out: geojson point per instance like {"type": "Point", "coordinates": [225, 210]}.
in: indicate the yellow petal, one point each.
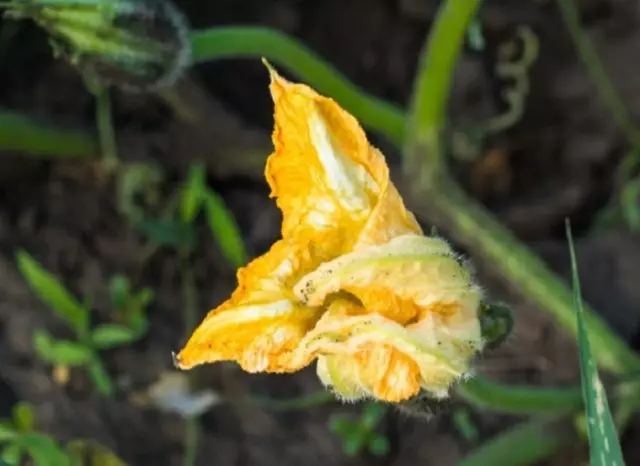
{"type": "Point", "coordinates": [262, 323]}
{"type": "Point", "coordinates": [415, 298]}
{"type": "Point", "coordinates": [259, 337]}
{"type": "Point", "coordinates": [407, 279]}
{"type": "Point", "coordinates": [370, 356]}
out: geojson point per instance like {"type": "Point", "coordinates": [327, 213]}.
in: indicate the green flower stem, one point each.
{"type": "Point", "coordinates": [23, 134]}
{"type": "Point", "coordinates": [190, 297]}
{"type": "Point", "coordinates": [605, 86]}
{"type": "Point", "coordinates": [448, 206]}
{"type": "Point", "coordinates": [256, 42]}
{"type": "Point", "coordinates": [520, 399]}
{"type": "Point", "coordinates": [525, 444]}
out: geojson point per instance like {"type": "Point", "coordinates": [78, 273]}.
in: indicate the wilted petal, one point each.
{"type": "Point", "coordinates": [418, 305]}
{"type": "Point", "coordinates": [261, 324]}
{"type": "Point", "coordinates": [408, 279]}
{"type": "Point", "coordinates": [323, 170]}
{"type": "Point", "coordinates": [364, 355]}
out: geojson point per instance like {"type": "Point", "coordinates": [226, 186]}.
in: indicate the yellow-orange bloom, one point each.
{"type": "Point", "coordinates": [353, 282]}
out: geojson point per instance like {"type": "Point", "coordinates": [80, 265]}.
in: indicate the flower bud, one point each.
{"type": "Point", "coordinates": [136, 45]}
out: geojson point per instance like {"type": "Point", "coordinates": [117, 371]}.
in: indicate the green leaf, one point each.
{"type": "Point", "coordinates": [372, 414]}
{"type": "Point", "coordinates": [24, 419]}
{"type": "Point", "coordinates": [167, 232]}
{"type": "Point", "coordinates": [100, 378]}
{"type": "Point", "coordinates": [7, 432]}
{"type": "Point", "coordinates": [603, 438]}
{"type": "Point", "coordinates": [119, 291]}
{"type": "Point", "coordinates": [631, 210]}
{"type": "Point", "coordinates": [53, 293]}
{"type": "Point", "coordinates": [63, 352]}
{"type": "Point", "coordinates": [193, 193]}
{"type": "Point", "coordinates": [379, 445]}
{"type": "Point", "coordinates": [11, 454]}
{"type": "Point", "coordinates": [341, 425]}
{"type": "Point", "coordinates": [225, 230]}
{"type": "Point", "coordinates": [354, 443]}
{"type": "Point", "coordinates": [464, 424]}
{"type": "Point", "coordinates": [108, 336]}
{"type": "Point", "coordinates": [44, 450]}
{"type": "Point", "coordinates": [142, 299]}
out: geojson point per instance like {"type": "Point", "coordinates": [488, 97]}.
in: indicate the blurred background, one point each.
{"type": "Point", "coordinates": [555, 151]}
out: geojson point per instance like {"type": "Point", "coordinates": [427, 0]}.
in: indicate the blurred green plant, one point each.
{"type": "Point", "coordinates": [175, 227]}
{"type": "Point", "coordinates": [197, 196]}
{"type": "Point", "coordinates": [130, 308]}
{"type": "Point", "coordinates": [361, 434]}
{"type": "Point", "coordinates": [84, 350]}
{"type": "Point", "coordinates": [19, 439]}
{"type": "Point", "coordinates": [464, 424]}
{"type": "Point", "coordinates": [88, 452]}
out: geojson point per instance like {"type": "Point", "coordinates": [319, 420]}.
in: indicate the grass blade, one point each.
{"type": "Point", "coordinates": [603, 437]}
{"type": "Point", "coordinates": [53, 293]}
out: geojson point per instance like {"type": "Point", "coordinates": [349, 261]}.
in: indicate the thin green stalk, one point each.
{"type": "Point", "coordinates": [432, 88]}
{"type": "Point", "coordinates": [255, 42]}
{"type": "Point", "coordinates": [23, 134]}
{"type": "Point", "coordinates": [106, 132]}
{"type": "Point", "coordinates": [605, 86]}
{"type": "Point", "coordinates": [190, 297]}
{"type": "Point", "coordinates": [447, 205]}
{"type": "Point", "coordinates": [192, 435]}
{"type": "Point", "coordinates": [523, 445]}
{"type": "Point", "coordinates": [519, 399]}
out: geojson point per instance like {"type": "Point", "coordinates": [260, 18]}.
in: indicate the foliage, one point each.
{"type": "Point", "coordinates": [84, 350]}
{"type": "Point", "coordinates": [603, 436]}
{"type": "Point", "coordinates": [19, 438]}
{"type": "Point", "coordinates": [361, 434]}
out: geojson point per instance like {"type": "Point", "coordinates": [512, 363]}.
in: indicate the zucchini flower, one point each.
{"type": "Point", "coordinates": [353, 283]}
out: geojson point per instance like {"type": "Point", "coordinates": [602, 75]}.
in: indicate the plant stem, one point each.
{"type": "Point", "coordinates": [255, 42]}
{"type": "Point", "coordinates": [520, 399]}
{"type": "Point", "coordinates": [192, 435]}
{"type": "Point", "coordinates": [432, 88]}
{"type": "Point", "coordinates": [522, 445]}
{"type": "Point", "coordinates": [190, 297]}
{"type": "Point", "coordinates": [444, 202]}
{"type": "Point", "coordinates": [605, 86]}
{"type": "Point", "coordinates": [106, 133]}
{"type": "Point", "coordinates": [21, 133]}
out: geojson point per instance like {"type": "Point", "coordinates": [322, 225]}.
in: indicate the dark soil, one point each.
{"type": "Point", "coordinates": [558, 160]}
